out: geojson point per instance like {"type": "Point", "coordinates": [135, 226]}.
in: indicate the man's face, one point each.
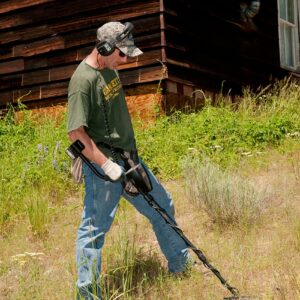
{"type": "Point", "coordinates": [115, 59]}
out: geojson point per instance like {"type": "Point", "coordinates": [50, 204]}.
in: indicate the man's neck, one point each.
{"type": "Point", "coordinates": [94, 60]}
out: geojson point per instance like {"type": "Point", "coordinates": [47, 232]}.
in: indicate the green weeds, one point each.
{"type": "Point", "coordinates": [226, 133]}
{"type": "Point", "coordinates": [33, 165]}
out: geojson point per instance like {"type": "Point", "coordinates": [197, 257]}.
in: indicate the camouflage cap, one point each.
{"type": "Point", "coordinates": [111, 31]}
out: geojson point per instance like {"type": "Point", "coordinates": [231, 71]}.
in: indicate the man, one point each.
{"type": "Point", "coordinates": [99, 118]}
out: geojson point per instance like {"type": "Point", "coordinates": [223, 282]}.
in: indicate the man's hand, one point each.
{"type": "Point", "coordinates": [112, 170]}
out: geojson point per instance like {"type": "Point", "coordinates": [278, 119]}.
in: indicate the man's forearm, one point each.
{"type": "Point", "coordinates": [91, 150]}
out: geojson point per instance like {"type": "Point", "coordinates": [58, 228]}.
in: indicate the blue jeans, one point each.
{"type": "Point", "coordinates": [100, 205]}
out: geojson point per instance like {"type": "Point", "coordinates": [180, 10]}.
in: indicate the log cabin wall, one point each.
{"type": "Point", "coordinates": [203, 44]}
{"type": "Point", "coordinates": [43, 41]}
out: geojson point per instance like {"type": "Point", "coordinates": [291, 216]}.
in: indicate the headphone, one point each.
{"type": "Point", "coordinates": [106, 48]}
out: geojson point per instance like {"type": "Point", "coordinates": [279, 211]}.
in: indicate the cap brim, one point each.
{"type": "Point", "coordinates": [131, 51]}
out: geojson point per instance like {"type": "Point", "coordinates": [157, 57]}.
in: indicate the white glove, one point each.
{"type": "Point", "coordinates": [112, 170]}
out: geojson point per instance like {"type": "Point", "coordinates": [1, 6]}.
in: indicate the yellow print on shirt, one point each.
{"type": "Point", "coordinates": [112, 89]}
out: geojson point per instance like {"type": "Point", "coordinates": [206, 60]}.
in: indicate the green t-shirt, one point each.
{"type": "Point", "coordinates": [87, 89]}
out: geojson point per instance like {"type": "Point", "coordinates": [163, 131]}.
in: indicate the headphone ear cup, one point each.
{"type": "Point", "coordinates": [105, 48]}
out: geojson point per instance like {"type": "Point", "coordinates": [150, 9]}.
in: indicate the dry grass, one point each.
{"type": "Point", "coordinates": [262, 260]}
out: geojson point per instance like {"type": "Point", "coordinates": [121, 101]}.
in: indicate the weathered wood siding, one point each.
{"type": "Point", "coordinates": [42, 42]}
{"type": "Point", "coordinates": [203, 44]}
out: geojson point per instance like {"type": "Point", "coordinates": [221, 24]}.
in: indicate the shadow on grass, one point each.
{"type": "Point", "coordinates": [136, 277]}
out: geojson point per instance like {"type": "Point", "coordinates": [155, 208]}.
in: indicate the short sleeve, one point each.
{"type": "Point", "coordinates": [78, 110]}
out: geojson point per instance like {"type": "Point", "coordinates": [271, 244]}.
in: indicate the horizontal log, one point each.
{"type": "Point", "coordinates": [34, 93]}
{"type": "Point", "coordinates": [35, 62]}
{"type": "Point", "coordinates": [148, 74]}
{"type": "Point", "coordinates": [60, 10]}
{"type": "Point", "coordinates": [54, 106]}
{"type": "Point", "coordinates": [61, 73]}
{"type": "Point", "coordinates": [147, 58]}
{"type": "Point", "coordinates": [46, 76]}
{"type": "Point", "coordinates": [54, 90]}
{"type": "Point", "coordinates": [149, 41]}
{"type": "Point", "coordinates": [22, 34]}
{"type": "Point", "coordinates": [12, 66]}
{"type": "Point", "coordinates": [5, 52]}
{"type": "Point", "coordinates": [145, 23]}
{"type": "Point", "coordinates": [39, 47]}
{"type": "Point", "coordinates": [10, 82]}
{"type": "Point", "coordinates": [56, 59]}
{"type": "Point", "coordinates": [84, 37]}
{"type": "Point", "coordinates": [70, 40]}
{"type": "Point", "coordinates": [75, 55]}
{"type": "Point", "coordinates": [7, 6]}
{"type": "Point", "coordinates": [24, 95]}
{"type": "Point", "coordinates": [32, 78]}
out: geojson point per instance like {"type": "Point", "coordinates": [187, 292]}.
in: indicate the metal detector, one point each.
{"type": "Point", "coordinates": [75, 150]}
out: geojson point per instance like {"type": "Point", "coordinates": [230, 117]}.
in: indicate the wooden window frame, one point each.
{"type": "Point", "coordinates": [283, 44]}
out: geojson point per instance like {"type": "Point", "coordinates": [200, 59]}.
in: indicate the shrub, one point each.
{"type": "Point", "coordinates": [227, 198]}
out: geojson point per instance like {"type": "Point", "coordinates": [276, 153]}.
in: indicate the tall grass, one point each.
{"type": "Point", "coordinates": [130, 269]}
{"type": "Point", "coordinates": [38, 213]}
{"type": "Point", "coordinates": [131, 272]}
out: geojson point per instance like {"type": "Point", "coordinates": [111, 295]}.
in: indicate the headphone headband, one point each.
{"type": "Point", "coordinates": [127, 30]}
